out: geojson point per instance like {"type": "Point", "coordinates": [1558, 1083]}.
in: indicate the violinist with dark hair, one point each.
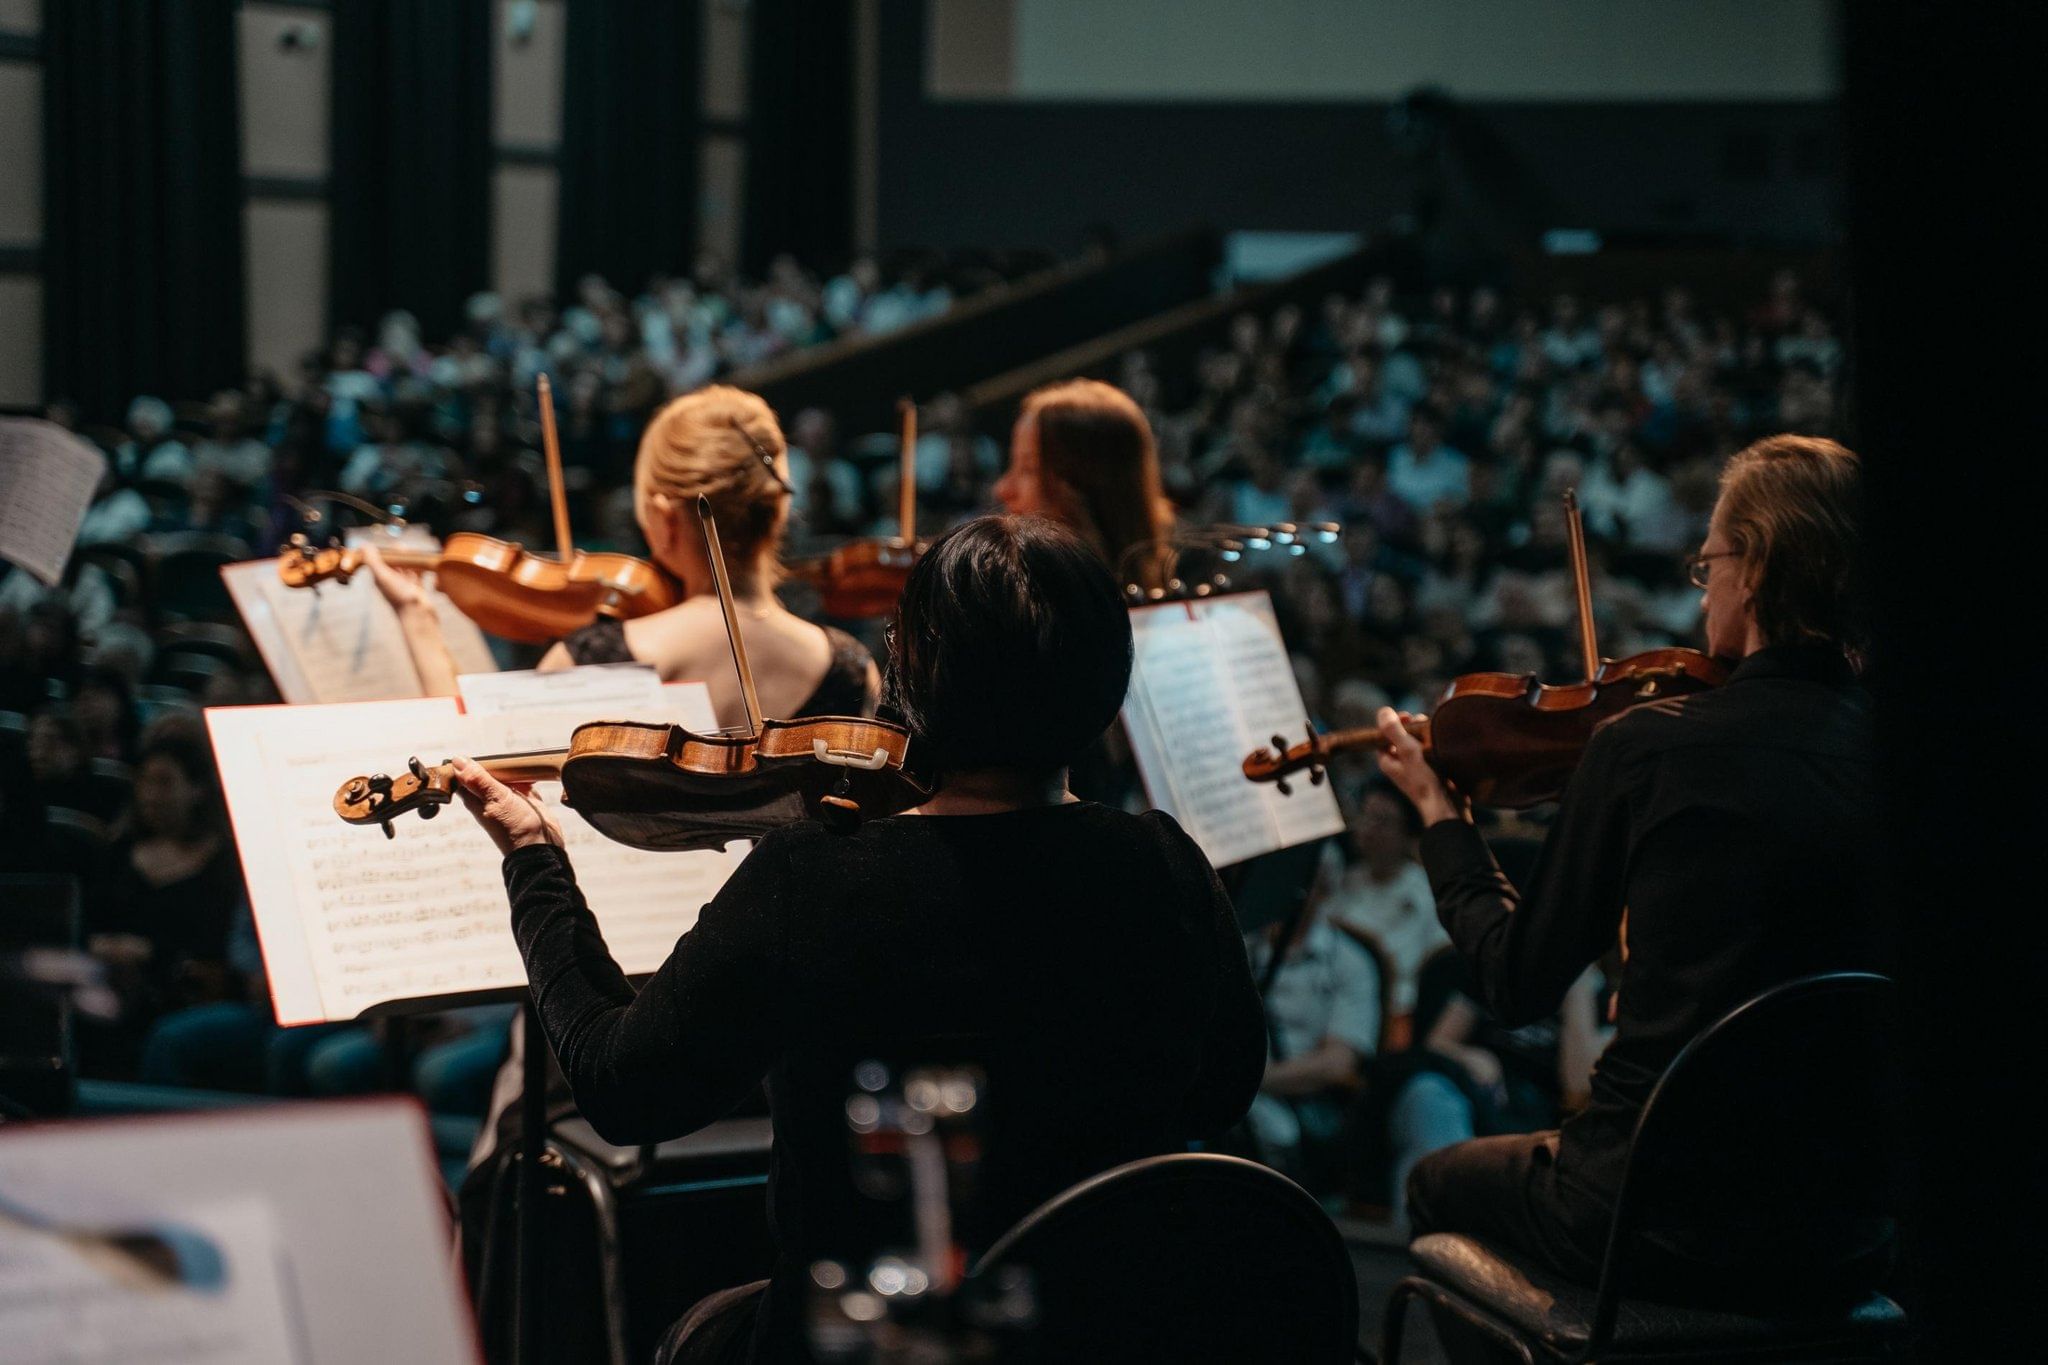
{"type": "Point", "coordinates": [1735, 829]}
{"type": "Point", "coordinates": [943, 934]}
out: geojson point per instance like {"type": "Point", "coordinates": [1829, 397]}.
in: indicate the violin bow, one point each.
{"type": "Point", "coordinates": [1582, 582]}
{"type": "Point", "coordinates": [906, 480]}
{"type": "Point", "coordinates": [732, 615]}
{"type": "Point", "coordinates": [1589, 648]}
{"type": "Point", "coordinates": [551, 445]}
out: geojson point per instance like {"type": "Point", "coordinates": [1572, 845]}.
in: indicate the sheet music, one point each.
{"type": "Point", "coordinates": [70, 1300]}
{"type": "Point", "coordinates": [348, 920]}
{"type": "Point", "coordinates": [633, 688]}
{"type": "Point", "coordinates": [47, 479]}
{"type": "Point", "coordinates": [340, 642]}
{"type": "Point", "coordinates": [327, 1221]}
{"type": "Point", "coordinates": [1210, 682]}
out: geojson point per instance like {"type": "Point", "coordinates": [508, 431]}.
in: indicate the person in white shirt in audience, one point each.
{"type": "Point", "coordinates": [1385, 892]}
{"type": "Point", "coordinates": [1424, 472]}
{"type": "Point", "coordinates": [1323, 1015]}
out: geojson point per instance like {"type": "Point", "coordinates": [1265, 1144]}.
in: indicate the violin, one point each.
{"type": "Point", "coordinates": [865, 577]}
{"type": "Point", "coordinates": [1506, 739]}
{"type": "Point", "coordinates": [506, 589]}
{"type": "Point", "coordinates": [666, 788]}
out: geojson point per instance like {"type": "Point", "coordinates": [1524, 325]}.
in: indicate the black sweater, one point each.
{"type": "Point", "coordinates": [1739, 829]}
{"type": "Point", "coordinates": [1085, 958]}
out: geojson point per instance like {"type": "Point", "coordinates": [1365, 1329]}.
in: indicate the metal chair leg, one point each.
{"type": "Point", "coordinates": [1393, 1322]}
{"type": "Point", "coordinates": [604, 1212]}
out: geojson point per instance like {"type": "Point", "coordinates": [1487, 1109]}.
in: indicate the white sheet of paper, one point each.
{"type": "Point", "coordinates": [635, 689]}
{"type": "Point", "coordinates": [340, 642]}
{"type": "Point", "coordinates": [47, 479]}
{"type": "Point", "coordinates": [329, 1218]}
{"type": "Point", "coordinates": [67, 1301]}
{"type": "Point", "coordinates": [348, 920]}
{"type": "Point", "coordinates": [1210, 682]}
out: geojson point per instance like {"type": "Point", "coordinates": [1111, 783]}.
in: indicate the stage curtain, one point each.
{"type": "Point", "coordinates": [630, 129]}
{"type": "Point", "coordinates": [142, 195]}
{"type": "Point", "coordinates": [411, 167]}
{"type": "Point", "coordinates": [799, 176]}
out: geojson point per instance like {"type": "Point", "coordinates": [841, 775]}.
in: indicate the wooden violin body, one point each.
{"type": "Point", "coordinates": [865, 577]}
{"type": "Point", "coordinates": [665, 788]}
{"type": "Point", "coordinates": [859, 580]}
{"type": "Point", "coordinates": [1505, 739]}
{"type": "Point", "coordinates": [506, 589]}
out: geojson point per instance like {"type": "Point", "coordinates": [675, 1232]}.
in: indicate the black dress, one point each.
{"type": "Point", "coordinates": [1085, 959]}
{"type": "Point", "coordinates": [843, 691]}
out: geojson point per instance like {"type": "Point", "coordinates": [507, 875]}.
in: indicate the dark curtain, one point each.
{"type": "Point", "coordinates": [411, 170]}
{"type": "Point", "coordinates": [142, 194]}
{"type": "Point", "coordinates": [799, 177]}
{"type": "Point", "coordinates": [630, 127]}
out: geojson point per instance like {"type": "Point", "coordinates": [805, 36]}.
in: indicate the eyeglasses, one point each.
{"type": "Point", "coordinates": [1696, 567]}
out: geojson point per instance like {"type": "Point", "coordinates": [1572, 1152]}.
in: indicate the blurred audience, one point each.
{"type": "Point", "coordinates": [1440, 430]}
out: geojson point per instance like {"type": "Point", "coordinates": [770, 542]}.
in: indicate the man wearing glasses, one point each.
{"type": "Point", "coordinates": [1737, 829]}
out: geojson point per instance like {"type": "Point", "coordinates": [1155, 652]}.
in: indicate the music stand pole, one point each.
{"type": "Point", "coordinates": [533, 1114]}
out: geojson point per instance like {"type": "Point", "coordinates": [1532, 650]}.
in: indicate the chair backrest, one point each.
{"type": "Point", "coordinates": [1186, 1257]}
{"type": "Point", "coordinates": [1383, 968]}
{"type": "Point", "coordinates": [1771, 1143]}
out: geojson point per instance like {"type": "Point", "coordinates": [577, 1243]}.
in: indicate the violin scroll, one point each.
{"type": "Point", "coordinates": [302, 564]}
{"type": "Point", "coordinates": [1283, 760]}
{"type": "Point", "coordinates": [379, 799]}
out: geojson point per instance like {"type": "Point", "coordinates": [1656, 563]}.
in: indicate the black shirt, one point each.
{"type": "Point", "coordinates": [1085, 958]}
{"type": "Point", "coordinates": [1737, 826]}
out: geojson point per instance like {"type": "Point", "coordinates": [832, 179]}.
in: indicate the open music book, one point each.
{"type": "Point", "coordinates": [341, 641]}
{"type": "Point", "coordinates": [280, 1234]}
{"type": "Point", "coordinates": [350, 922]}
{"type": "Point", "coordinates": [1210, 682]}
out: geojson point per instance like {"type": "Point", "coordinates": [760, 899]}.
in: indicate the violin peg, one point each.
{"type": "Point", "coordinates": [1281, 784]}
{"type": "Point", "coordinates": [1315, 777]}
{"type": "Point", "coordinates": [389, 832]}
{"type": "Point", "coordinates": [1279, 744]}
{"type": "Point", "coordinates": [427, 813]}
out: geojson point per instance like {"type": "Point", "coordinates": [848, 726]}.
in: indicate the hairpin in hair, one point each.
{"type": "Point", "coordinates": [761, 452]}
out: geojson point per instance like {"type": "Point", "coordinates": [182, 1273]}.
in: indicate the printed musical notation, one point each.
{"type": "Point", "coordinates": [341, 642]}
{"type": "Point", "coordinates": [349, 920]}
{"type": "Point", "coordinates": [1210, 682]}
{"type": "Point", "coordinates": [47, 479]}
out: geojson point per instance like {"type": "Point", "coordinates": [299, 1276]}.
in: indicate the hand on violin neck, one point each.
{"type": "Point", "coordinates": [1406, 764]}
{"type": "Point", "coordinates": [402, 588]}
{"type": "Point", "coordinates": [513, 819]}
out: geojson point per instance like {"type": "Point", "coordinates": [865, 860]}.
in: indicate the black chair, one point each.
{"type": "Point", "coordinates": [79, 840]}
{"type": "Point", "coordinates": [185, 574]}
{"type": "Point", "coordinates": [189, 673]}
{"type": "Point", "coordinates": [635, 1235]}
{"type": "Point", "coordinates": [1187, 1258]}
{"type": "Point", "coordinates": [1383, 967]}
{"type": "Point", "coordinates": [226, 643]}
{"type": "Point", "coordinates": [111, 785]}
{"type": "Point", "coordinates": [1745, 1196]}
